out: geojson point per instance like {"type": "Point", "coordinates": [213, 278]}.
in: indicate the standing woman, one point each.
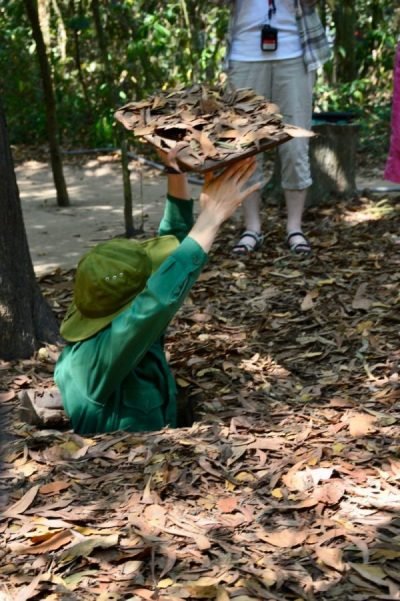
{"type": "Point", "coordinates": [275, 48]}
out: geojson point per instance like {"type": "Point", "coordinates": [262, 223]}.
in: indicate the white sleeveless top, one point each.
{"type": "Point", "coordinates": [250, 16]}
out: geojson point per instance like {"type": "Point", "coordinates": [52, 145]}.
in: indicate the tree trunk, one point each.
{"type": "Point", "coordinates": [61, 31]}
{"type": "Point", "coordinates": [332, 162]}
{"type": "Point", "coordinates": [44, 20]}
{"type": "Point", "coordinates": [128, 216]}
{"type": "Point", "coordinates": [78, 65]}
{"type": "Point", "coordinates": [25, 317]}
{"type": "Point", "coordinates": [103, 50]}
{"type": "Point", "coordinates": [345, 19]}
{"type": "Point", "coordinates": [50, 104]}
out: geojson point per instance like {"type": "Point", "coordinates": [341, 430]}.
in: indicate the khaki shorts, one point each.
{"type": "Point", "coordinates": [290, 86]}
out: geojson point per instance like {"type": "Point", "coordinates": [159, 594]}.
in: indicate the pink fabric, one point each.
{"type": "Point", "coordinates": [392, 169]}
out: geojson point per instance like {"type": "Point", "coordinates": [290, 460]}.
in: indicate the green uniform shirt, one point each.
{"type": "Point", "coordinates": [120, 379]}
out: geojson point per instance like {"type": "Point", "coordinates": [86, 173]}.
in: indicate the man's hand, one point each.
{"type": "Point", "coordinates": [220, 197]}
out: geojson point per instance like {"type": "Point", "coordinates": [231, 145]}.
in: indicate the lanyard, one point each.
{"type": "Point", "coordinates": [271, 9]}
{"type": "Point", "coordinates": [297, 8]}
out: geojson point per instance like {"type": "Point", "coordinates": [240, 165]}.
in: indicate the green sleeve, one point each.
{"type": "Point", "coordinates": [177, 219]}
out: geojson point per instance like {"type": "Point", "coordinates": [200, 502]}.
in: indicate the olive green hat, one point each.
{"type": "Point", "coordinates": [108, 278]}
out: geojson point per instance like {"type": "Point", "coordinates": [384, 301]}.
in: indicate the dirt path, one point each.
{"type": "Point", "coordinates": [58, 236]}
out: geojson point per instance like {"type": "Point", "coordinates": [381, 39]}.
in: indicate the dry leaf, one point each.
{"type": "Point", "coordinates": [308, 301]}
{"type": "Point", "coordinates": [28, 592]}
{"type": "Point", "coordinates": [222, 595]}
{"type": "Point", "coordinates": [131, 567]}
{"type": "Point", "coordinates": [85, 547]}
{"type": "Point", "coordinates": [7, 396]}
{"type": "Point", "coordinates": [147, 496]}
{"type": "Point", "coordinates": [361, 424]}
{"type": "Point", "coordinates": [286, 538]}
{"type": "Point", "coordinates": [54, 487]}
{"type": "Point", "coordinates": [373, 573]}
{"type": "Point", "coordinates": [360, 301]}
{"type": "Point", "coordinates": [155, 515]}
{"type": "Point", "coordinates": [331, 492]}
{"type": "Point", "coordinates": [23, 504]}
{"type": "Point", "coordinates": [333, 558]}
{"type": "Point", "coordinates": [227, 504]}
{"type": "Point", "coordinates": [54, 542]}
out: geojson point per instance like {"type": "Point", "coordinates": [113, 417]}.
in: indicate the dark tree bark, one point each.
{"type": "Point", "coordinates": [128, 216]}
{"type": "Point", "coordinates": [50, 104]}
{"type": "Point", "coordinates": [102, 44]}
{"type": "Point", "coordinates": [25, 318]}
{"type": "Point", "coordinates": [345, 19]}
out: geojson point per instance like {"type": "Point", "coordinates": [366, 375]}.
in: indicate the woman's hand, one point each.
{"type": "Point", "coordinates": [177, 182]}
{"type": "Point", "coordinates": [223, 194]}
{"type": "Point", "coordinates": [220, 197]}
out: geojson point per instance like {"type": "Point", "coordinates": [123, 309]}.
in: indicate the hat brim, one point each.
{"type": "Point", "coordinates": [159, 249]}
{"type": "Point", "coordinates": [76, 326]}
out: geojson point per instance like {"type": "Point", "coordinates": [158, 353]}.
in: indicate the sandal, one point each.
{"type": "Point", "coordinates": [244, 248]}
{"type": "Point", "coordinates": [298, 248]}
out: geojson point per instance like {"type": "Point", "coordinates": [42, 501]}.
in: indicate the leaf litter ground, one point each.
{"type": "Point", "coordinates": [286, 486]}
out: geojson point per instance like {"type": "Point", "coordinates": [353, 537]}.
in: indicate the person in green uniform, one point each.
{"type": "Point", "coordinates": [113, 373]}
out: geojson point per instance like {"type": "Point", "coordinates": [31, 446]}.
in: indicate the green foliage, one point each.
{"type": "Point", "coordinates": [20, 88]}
{"type": "Point", "coordinates": [372, 110]}
{"type": "Point", "coordinates": [369, 93]}
{"type": "Point", "coordinates": [149, 45]}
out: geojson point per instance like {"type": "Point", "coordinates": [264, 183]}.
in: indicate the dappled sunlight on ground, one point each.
{"type": "Point", "coordinates": [59, 236]}
{"type": "Point", "coordinates": [369, 211]}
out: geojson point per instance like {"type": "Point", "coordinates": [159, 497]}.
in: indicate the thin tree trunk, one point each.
{"type": "Point", "coordinates": [61, 31]}
{"type": "Point", "coordinates": [102, 44]}
{"type": "Point", "coordinates": [50, 104]}
{"type": "Point", "coordinates": [128, 217]}
{"type": "Point", "coordinates": [78, 65]}
{"type": "Point", "coordinates": [25, 318]}
{"type": "Point", "coordinates": [345, 23]}
{"type": "Point", "coordinates": [44, 20]}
